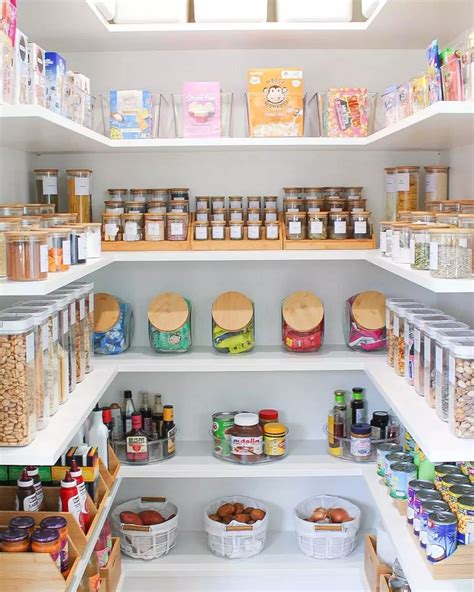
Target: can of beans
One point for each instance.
(222, 421)
(401, 473)
(421, 497)
(443, 470)
(450, 480)
(455, 492)
(382, 452)
(393, 458)
(442, 536)
(465, 513)
(413, 487)
(427, 509)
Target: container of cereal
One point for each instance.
(408, 188)
(400, 334)
(302, 322)
(461, 404)
(79, 193)
(169, 323)
(233, 324)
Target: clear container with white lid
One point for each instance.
(88, 293)
(392, 323)
(420, 245)
(451, 253)
(421, 323)
(81, 333)
(18, 366)
(68, 324)
(443, 337)
(461, 404)
(385, 238)
(406, 319)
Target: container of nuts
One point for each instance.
(17, 365)
(461, 388)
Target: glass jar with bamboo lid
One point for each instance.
(111, 227)
(201, 230)
(6, 225)
(155, 227)
(79, 193)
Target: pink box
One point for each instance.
(202, 110)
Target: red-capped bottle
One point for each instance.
(69, 500)
(76, 473)
(26, 499)
(107, 419)
(33, 473)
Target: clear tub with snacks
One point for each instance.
(451, 253)
(461, 404)
(393, 324)
(68, 324)
(113, 324)
(86, 304)
(302, 322)
(233, 323)
(407, 325)
(169, 323)
(364, 321)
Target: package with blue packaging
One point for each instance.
(435, 87)
(389, 100)
(55, 75)
(130, 114)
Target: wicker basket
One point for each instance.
(236, 540)
(326, 541)
(147, 542)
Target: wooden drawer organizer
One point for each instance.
(372, 566)
(383, 583)
(112, 571)
(228, 244)
(110, 475)
(349, 244)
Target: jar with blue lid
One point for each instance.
(233, 324)
(113, 324)
(169, 323)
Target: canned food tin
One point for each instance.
(455, 492)
(409, 443)
(421, 497)
(382, 452)
(401, 473)
(413, 487)
(222, 421)
(442, 470)
(442, 536)
(465, 513)
(427, 509)
(393, 458)
(450, 480)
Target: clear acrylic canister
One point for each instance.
(80, 194)
(390, 193)
(113, 324)
(67, 326)
(385, 238)
(93, 240)
(233, 323)
(78, 309)
(408, 188)
(461, 404)
(401, 243)
(393, 324)
(17, 363)
(46, 183)
(420, 246)
(302, 322)
(87, 289)
(407, 325)
(451, 253)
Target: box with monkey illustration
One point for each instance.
(275, 102)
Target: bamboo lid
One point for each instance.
(232, 311)
(368, 310)
(302, 311)
(106, 312)
(168, 311)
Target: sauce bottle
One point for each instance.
(337, 424)
(76, 473)
(157, 416)
(69, 500)
(145, 410)
(107, 421)
(26, 499)
(168, 431)
(137, 441)
(128, 409)
(357, 406)
(34, 474)
(117, 422)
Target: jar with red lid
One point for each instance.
(246, 438)
(267, 416)
(302, 322)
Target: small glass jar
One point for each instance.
(217, 203)
(401, 243)
(203, 215)
(59, 249)
(14, 540)
(236, 215)
(31, 222)
(272, 230)
(353, 193)
(360, 223)
(391, 194)
(111, 227)
(161, 194)
(202, 202)
(420, 246)
(466, 206)
(169, 323)
(336, 204)
(311, 193)
(330, 192)
(46, 183)
(408, 188)
(433, 207)
(449, 206)
(32, 210)
(315, 205)
(179, 193)
(117, 194)
(436, 183)
(293, 192)
(451, 218)
(114, 207)
(201, 230)
(11, 211)
(79, 193)
(254, 202)
(27, 255)
(51, 220)
(461, 364)
(451, 253)
(236, 202)
(294, 205)
(135, 207)
(178, 207)
(113, 324)
(466, 221)
(45, 540)
(140, 195)
(218, 230)
(385, 238)
(132, 227)
(47, 209)
(337, 225)
(219, 215)
(254, 230)
(93, 243)
(423, 218)
(295, 225)
(318, 225)
(154, 227)
(77, 235)
(302, 322)
(177, 226)
(405, 216)
(254, 215)
(236, 230)
(6, 225)
(233, 323)
(270, 202)
(356, 205)
(157, 207)
(270, 215)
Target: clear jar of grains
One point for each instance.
(451, 253)
(420, 245)
(27, 255)
(338, 225)
(155, 227)
(408, 188)
(295, 225)
(318, 225)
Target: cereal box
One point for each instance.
(202, 109)
(55, 75)
(36, 62)
(347, 112)
(22, 71)
(130, 114)
(275, 102)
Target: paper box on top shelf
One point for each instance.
(22, 69)
(202, 109)
(83, 87)
(130, 114)
(55, 75)
(8, 19)
(7, 70)
(36, 62)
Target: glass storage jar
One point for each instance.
(436, 183)
(157, 207)
(132, 227)
(32, 210)
(160, 194)
(87, 304)
(351, 193)
(113, 324)
(401, 242)
(302, 322)
(236, 215)
(449, 205)
(423, 217)
(393, 325)
(6, 225)
(408, 188)
(330, 192)
(364, 321)
(337, 226)
(461, 405)
(356, 205)
(201, 230)
(135, 207)
(315, 205)
(177, 193)
(59, 249)
(293, 205)
(295, 225)
(47, 209)
(451, 218)
(169, 323)
(254, 202)
(30, 222)
(293, 192)
(46, 183)
(27, 255)
(270, 215)
(236, 230)
(434, 207)
(11, 211)
(254, 230)
(233, 324)
(236, 202)
(466, 206)
(404, 216)
(18, 362)
(420, 245)
(68, 324)
(361, 226)
(219, 215)
(313, 193)
(140, 195)
(336, 204)
(79, 193)
(50, 220)
(254, 215)
(451, 253)
(111, 227)
(318, 225)
(270, 202)
(202, 202)
(114, 207)
(218, 230)
(466, 221)
(406, 320)
(385, 238)
(217, 203)
(390, 178)
(155, 227)
(178, 207)
(272, 230)
(93, 242)
(177, 226)
(203, 215)
(117, 194)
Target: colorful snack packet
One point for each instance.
(347, 112)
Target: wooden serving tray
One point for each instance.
(228, 244)
(165, 245)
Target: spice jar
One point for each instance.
(360, 223)
(132, 227)
(46, 183)
(117, 194)
(436, 183)
(401, 242)
(364, 322)
(59, 249)
(406, 320)
(111, 227)
(114, 207)
(293, 192)
(169, 323)
(178, 207)
(465, 221)
(79, 193)
(202, 202)
(337, 226)
(461, 405)
(50, 220)
(135, 207)
(253, 215)
(86, 310)
(236, 215)
(30, 223)
(32, 210)
(336, 204)
(254, 202)
(405, 216)
(218, 230)
(254, 230)
(154, 227)
(330, 192)
(318, 225)
(236, 202)
(179, 193)
(201, 230)
(274, 439)
(236, 230)
(217, 203)
(356, 205)
(270, 202)
(233, 327)
(157, 207)
(434, 207)
(6, 225)
(315, 205)
(113, 324)
(11, 211)
(27, 255)
(449, 206)
(408, 192)
(14, 540)
(420, 246)
(18, 365)
(46, 540)
(270, 215)
(266, 416)
(451, 218)
(140, 195)
(67, 327)
(451, 253)
(177, 226)
(295, 226)
(203, 215)
(361, 445)
(272, 230)
(219, 215)
(302, 322)
(385, 238)
(294, 205)
(312, 193)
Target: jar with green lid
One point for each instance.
(337, 225)
(111, 227)
(233, 325)
(46, 183)
(135, 207)
(169, 323)
(295, 225)
(318, 225)
(140, 195)
(451, 253)
(6, 225)
(117, 194)
(11, 211)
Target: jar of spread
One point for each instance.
(274, 439)
(267, 416)
(14, 540)
(46, 540)
(25, 523)
(246, 438)
(59, 523)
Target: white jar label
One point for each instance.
(316, 227)
(55, 326)
(236, 216)
(254, 204)
(45, 337)
(340, 227)
(201, 232)
(272, 232)
(357, 210)
(463, 243)
(217, 205)
(254, 217)
(360, 227)
(81, 247)
(81, 186)
(65, 321)
(72, 313)
(417, 339)
(30, 347)
(335, 210)
(67, 251)
(218, 232)
(131, 230)
(201, 217)
(177, 209)
(114, 211)
(155, 228)
(383, 241)
(412, 250)
(396, 326)
(236, 232)
(111, 229)
(246, 445)
(176, 229)
(434, 255)
(403, 181)
(439, 358)
(271, 217)
(82, 308)
(295, 227)
(390, 183)
(235, 205)
(50, 185)
(430, 182)
(253, 232)
(43, 258)
(314, 209)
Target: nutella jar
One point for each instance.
(246, 438)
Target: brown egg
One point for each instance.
(257, 514)
(226, 510)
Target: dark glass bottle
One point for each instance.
(128, 410)
(357, 406)
(145, 410)
(168, 431)
(157, 416)
(137, 441)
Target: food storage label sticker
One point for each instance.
(427, 348)
(254, 204)
(236, 232)
(201, 232)
(50, 185)
(66, 252)
(403, 181)
(43, 258)
(272, 232)
(218, 217)
(65, 321)
(81, 186)
(390, 183)
(439, 358)
(295, 227)
(201, 216)
(45, 337)
(55, 325)
(154, 228)
(396, 326)
(234, 205)
(82, 308)
(177, 209)
(412, 250)
(430, 182)
(81, 247)
(72, 313)
(111, 229)
(30, 347)
(463, 243)
(271, 217)
(254, 232)
(313, 210)
(201, 205)
(218, 232)
(176, 228)
(236, 216)
(383, 241)
(417, 340)
(340, 227)
(254, 217)
(131, 229)
(360, 227)
(316, 227)
(434, 255)
(452, 370)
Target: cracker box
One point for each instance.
(55, 75)
(22, 70)
(36, 62)
(202, 110)
(275, 102)
(130, 114)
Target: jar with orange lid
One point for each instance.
(79, 193)
(117, 194)
(236, 202)
(295, 225)
(11, 211)
(47, 540)
(59, 249)
(236, 230)
(336, 204)
(272, 230)
(254, 229)
(140, 195)
(114, 207)
(451, 218)
(6, 225)
(111, 227)
(132, 227)
(436, 183)
(203, 215)
(423, 217)
(254, 202)
(254, 215)
(27, 255)
(302, 322)
(233, 324)
(315, 205)
(202, 202)
(364, 321)
(294, 205)
(46, 184)
(169, 323)
(408, 188)
(201, 230)
(270, 215)
(135, 207)
(154, 227)
(218, 230)
(338, 225)
(14, 540)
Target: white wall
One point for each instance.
(16, 182)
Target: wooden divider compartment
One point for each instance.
(228, 244)
(112, 571)
(349, 244)
(372, 566)
(383, 583)
(110, 475)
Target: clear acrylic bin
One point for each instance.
(461, 404)
(158, 450)
(341, 447)
(281, 123)
(226, 114)
(346, 113)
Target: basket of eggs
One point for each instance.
(327, 526)
(147, 527)
(236, 526)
